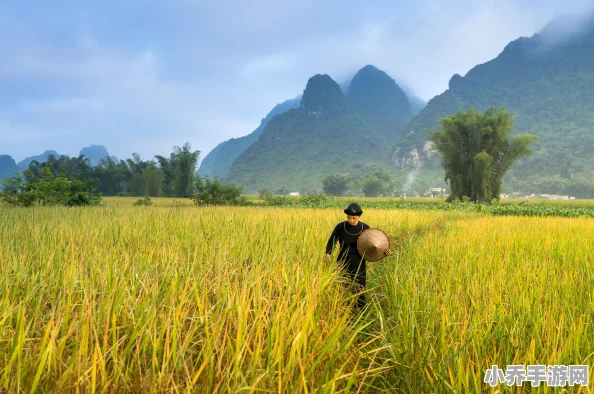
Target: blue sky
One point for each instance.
(145, 75)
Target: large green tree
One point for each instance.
(335, 184)
(179, 171)
(476, 151)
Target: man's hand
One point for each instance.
(327, 256)
(387, 251)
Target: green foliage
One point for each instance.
(372, 186)
(138, 184)
(40, 185)
(213, 192)
(154, 180)
(335, 184)
(14, 191)
(313, 197)
(476, 151)
(144, 201)
(179, 171)
(184, 161)
(270, 199)
(283, 191)
(464, 204)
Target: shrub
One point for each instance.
(144, 201)
(213, 192)
(271, 199)
(313, 197)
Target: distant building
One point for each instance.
(294, 194)
(437, 192)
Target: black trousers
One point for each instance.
(354, 268)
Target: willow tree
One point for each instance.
(476, 151)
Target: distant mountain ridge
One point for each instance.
(24, 164)
(94, 153)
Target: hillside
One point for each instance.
(218, 161)
(548, 81)
(298, 148)
(7, 166)
(381, 103)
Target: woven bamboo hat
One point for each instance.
(372, 243)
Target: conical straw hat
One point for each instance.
(372, 243)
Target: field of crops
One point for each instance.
(511, 207)
(177, 298)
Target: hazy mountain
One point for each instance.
(208, 165)
(381, 103)
(298, 148)
(548, 81)
(7, 166)
(219, 160)
(416, 103)
(42, 158)
(95, 153)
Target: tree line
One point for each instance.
(73, 181)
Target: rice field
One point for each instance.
(177, 298)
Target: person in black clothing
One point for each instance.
(347, 233)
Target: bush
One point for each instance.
(213, 192)
(313, 197)
(144, 201)
(271, 199)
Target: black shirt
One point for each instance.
(347, 236)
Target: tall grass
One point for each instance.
(177, 299)
(487, 291)
(172, 298)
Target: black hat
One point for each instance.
(354, 209)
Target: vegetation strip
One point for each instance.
(494, 209)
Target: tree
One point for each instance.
(185, 164)
(476, 151)
(179, 171)
(154, 180)
(138, 185)
(335, 184)
(40, 185)
(372, 186)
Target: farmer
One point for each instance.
(347, 233)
